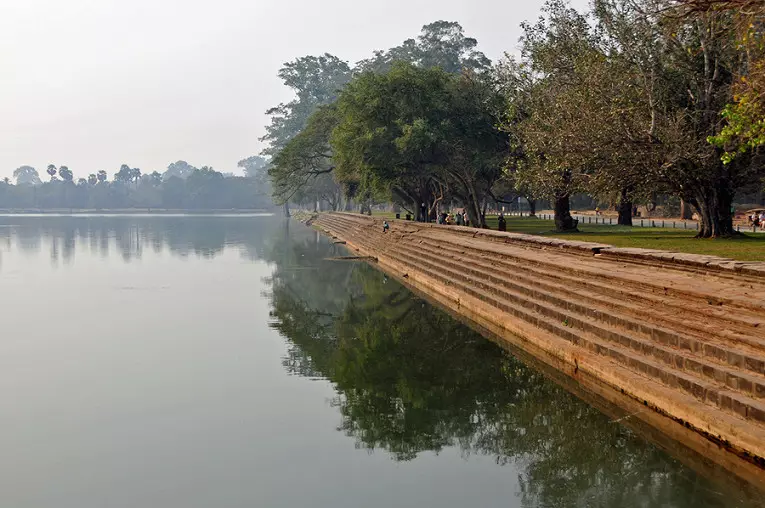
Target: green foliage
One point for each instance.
(302, 167)
(315, 80)
(180, 169)
(254, 166)
(204, 189)
(744, 130)
(440, 44)
(417, 133)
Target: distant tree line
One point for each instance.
(181, 186)
(632, 100)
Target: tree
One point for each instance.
(135, 175)
(66, 174)
(82, 182)
(124, 175)
(744, 129)
(440, 44)
(26, 175)
(180, 169)
(304, 158)
(156, 178)
(102, 176)
(388, 133)
(92, 179)
(254, 166)
(545, 88)
(684, 68)
(416, 133)
(51, 171)
(315, 80)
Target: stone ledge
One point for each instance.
(681, 259)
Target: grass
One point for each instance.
(748, 247)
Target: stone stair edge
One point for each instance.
(603, 306)
(501, 258)
(755, 268)
(695, 357)
(741, 399)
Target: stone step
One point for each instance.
(726, 399)
(600, 272)
(714, 351)
(749, 384)
(733, 337)
(737, 325)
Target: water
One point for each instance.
(226, 362)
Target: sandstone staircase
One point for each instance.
(698, 332)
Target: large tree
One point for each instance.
(543, 90)
(66, 174)
(26, 175)
(418, 132)
(305, 159)
(180, 169)
(686, 79)
(254, 167)
(440, 44)
(315, 80)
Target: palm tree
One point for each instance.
(92, 179)
(51, 171)
(135, 175)
(66, 174)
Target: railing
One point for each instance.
(636, 222)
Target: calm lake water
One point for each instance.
(226, 362)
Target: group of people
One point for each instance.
(757, 220)
(454, 219)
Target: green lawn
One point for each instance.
(749, 247)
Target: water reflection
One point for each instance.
(411, 379)
(130, 236)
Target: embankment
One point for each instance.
(683, 335)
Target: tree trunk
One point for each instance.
(625, 209)
(685, 210)
(716, 218)
(532, 206)
(563, 219)
(422, 211)
(286, 209)
(473, 216)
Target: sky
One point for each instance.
(93, 84)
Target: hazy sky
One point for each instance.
(96, 83)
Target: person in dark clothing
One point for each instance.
(502, 223)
